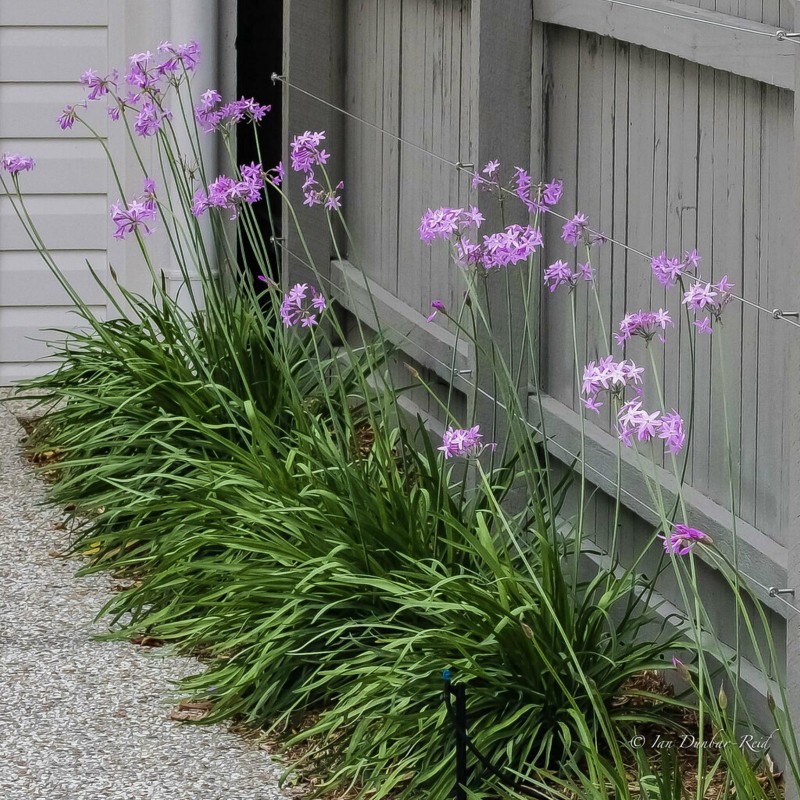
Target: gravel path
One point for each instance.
(87, 720)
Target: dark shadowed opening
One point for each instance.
(259, 53)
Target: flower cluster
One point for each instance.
(97, 86)
(682, 539)
(491, 170)
(510, 246)
(135, 216)
(608, 375)
(146, 71)
(444, 223)
(546, 195)
(645, 324)
(464, 442)
(14, 163)
(228, 193)
(149, 117)
(148, 77)
(212, 116)
(300, 308)
(306, 153)
(708, 297)
(560, 274)
(514, 244)
(576, 230)
(667, 270)
(632, 420)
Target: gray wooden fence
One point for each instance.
(672, 126)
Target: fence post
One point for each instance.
(501, 113)
(313, 59)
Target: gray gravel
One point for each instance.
(88, 720)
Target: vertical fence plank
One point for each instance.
(688, 232)
(751, 319)
(313, 60)
(791, 479)
(562, 160)
(501, 99)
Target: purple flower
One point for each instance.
(199, 203)
(560, 274)
(333, 202)
(585, 271)
(140, 74)
(276, 174)
(436, 305)
(269, 281)
(691, 260)
(306, 152)
(68, 116)
(573, 230)
(444, 223)
(522, 189)
(211, 116)
(608, 375)
(682, 539)
(672, 432)
(14, 163)
(180, 56)
(699, 296)
(149, 118)
(709, 297)
(491, 168)
(633, 419)
(516, 243)
(463, 442)
(645, 324)
(298, 308)
(98, 86)
(552, 192)
(226, 192)
(703, 325)
(666, 269)
(134, 217)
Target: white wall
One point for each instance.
(44, 47)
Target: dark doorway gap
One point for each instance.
(259, 53)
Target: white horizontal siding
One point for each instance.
(22, 269)
(65, 222)
(62, 165)
(58, 55)
(35, 13)
(31, 111)
(45, 45)
(27, 331)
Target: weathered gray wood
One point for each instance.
(501, 97)
(429, 345)
(687, 200)
(761, 557)
(790, 518)
(413, 257)
(746, 53)
(563, 80)
(751, 319)
(313, 60)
